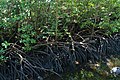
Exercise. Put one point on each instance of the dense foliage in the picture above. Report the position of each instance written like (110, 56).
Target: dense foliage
(34, 21)
(38, 36)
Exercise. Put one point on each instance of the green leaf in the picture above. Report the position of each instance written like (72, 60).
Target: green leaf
(2, 50)
(5, 44)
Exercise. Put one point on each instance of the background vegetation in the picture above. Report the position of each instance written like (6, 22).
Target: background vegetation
(54, 37)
